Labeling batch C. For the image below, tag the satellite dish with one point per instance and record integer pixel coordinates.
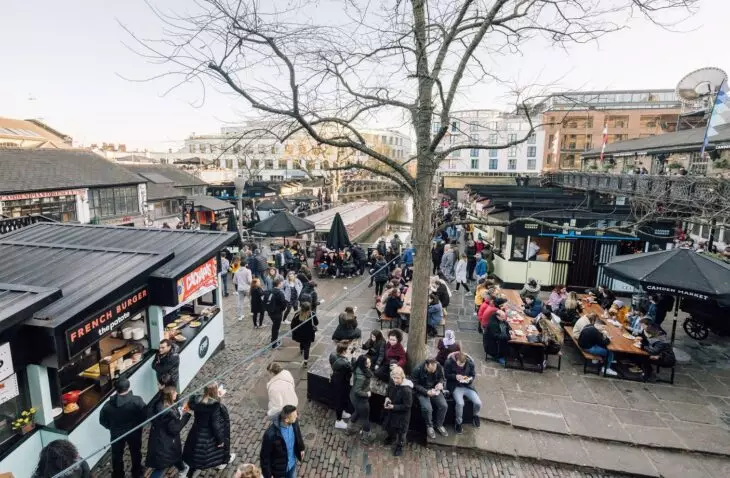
(700, 85)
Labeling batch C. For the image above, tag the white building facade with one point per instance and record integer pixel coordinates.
(491, 127)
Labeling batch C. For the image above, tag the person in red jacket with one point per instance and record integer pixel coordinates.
(488, 309)
(395, 354)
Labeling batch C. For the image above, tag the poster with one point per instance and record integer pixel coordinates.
(9, 389)
(203, 277)
(6, 361)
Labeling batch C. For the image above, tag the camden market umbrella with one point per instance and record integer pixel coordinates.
(680, 272)
(337, 238)
(283, 224)
(275, 205)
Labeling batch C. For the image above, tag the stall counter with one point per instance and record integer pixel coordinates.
(199, 350)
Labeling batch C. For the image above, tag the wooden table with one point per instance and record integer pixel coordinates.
(520, 343)
(406, 309)
(619, 343)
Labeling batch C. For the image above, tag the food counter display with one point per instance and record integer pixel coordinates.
(106, 346)
(182, 325)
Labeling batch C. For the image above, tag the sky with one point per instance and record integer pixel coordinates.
(70, 67)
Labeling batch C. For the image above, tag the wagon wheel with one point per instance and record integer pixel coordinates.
(695, 329)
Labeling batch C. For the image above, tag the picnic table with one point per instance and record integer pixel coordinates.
(406, 309)
(521, 327)
(622, 342)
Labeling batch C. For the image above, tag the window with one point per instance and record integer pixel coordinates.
(512, 152)
(531, 151)
(452, 164)
(532, 139)
(111, 202)
(390, 140)
(269, 164)
(519, 245)
(571, 146)
(493, 163)
(512, 164)
(512, 137)
(493, 153)
(229, 163)
(500, 242)
(456, 153)
(281, 164)
(493, 139)
(474, 153)
(474, 163)
(166, 208)
(549, 159)
(191, 148)
(474, 127)
(384, 139)
(262, 149)
(532, 163)
(436, 127)
(454, 126)
(474, 138)
(59, 208)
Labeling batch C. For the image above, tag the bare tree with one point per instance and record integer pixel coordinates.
(326, 68)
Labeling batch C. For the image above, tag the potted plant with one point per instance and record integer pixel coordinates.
(24, 424)
(721, 164)
(674, 166)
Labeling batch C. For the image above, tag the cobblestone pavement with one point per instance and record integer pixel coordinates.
(330, 453)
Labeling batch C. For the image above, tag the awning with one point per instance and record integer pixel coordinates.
(209, 203)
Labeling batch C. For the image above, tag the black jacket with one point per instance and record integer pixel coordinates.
(376, 352)
(496, 337)
(437, 253)
(380, 271)
(392, 305)
(346, 332)
(591, 336)
(278, 304)
(442, 292)
(274, 457)
(122, 413)
(401, 396)
(211, 427)
(257, 300)
(168, 364)
(303, 330)
(341, 370)
(360, 384)
(309, 294)
(423, 381)
(164, 448)
(451, 369)
(358, 254)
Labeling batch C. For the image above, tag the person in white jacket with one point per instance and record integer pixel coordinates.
(281, 389)
(460, 273)
(242, 282)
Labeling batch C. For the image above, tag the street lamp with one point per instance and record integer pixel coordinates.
(240, 183)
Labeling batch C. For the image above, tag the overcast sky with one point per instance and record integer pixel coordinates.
(66, 65)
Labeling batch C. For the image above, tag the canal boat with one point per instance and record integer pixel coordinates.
(360, 218)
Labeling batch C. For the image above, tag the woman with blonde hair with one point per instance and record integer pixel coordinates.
(570, 310)
(248, 471)
(397, 407)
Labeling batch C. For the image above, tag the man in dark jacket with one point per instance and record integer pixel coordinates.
(533, 306)
(121, 413)
(594, 341)
(429, 381)
(460, 375)
(282, 445)
(167, 362)
(276, 303)
(360, 257)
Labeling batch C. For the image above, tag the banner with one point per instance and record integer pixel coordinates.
(205, 276)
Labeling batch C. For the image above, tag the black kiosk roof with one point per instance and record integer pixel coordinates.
(19, 302)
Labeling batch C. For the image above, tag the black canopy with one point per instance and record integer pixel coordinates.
(337, 238)
(283, 224)
(680, 272)
(275, 205)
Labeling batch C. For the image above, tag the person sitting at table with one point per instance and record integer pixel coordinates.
(656, 343)
(533, 306)
(605, 297)
(447, 346)
(488, 308)
(375, 349)
(347, 330)
(393, 303)
(397, 276)
(478, 297)
(552, 334)
(460, 375)
(570, 310)
(348, 265)
(557, 296)
(435, 315)
(582, 322)
(596, 342)
(429, 382)
(531, 288)
(395, 355)
(496, 337)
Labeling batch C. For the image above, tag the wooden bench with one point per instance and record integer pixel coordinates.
(588, 358)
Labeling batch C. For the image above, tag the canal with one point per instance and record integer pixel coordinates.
(400, 218)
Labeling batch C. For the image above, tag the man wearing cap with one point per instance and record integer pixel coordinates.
(120, 414)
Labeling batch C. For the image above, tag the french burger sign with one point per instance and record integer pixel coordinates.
(203, 277)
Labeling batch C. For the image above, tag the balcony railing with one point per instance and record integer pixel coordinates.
(14, 223)
(686, 190)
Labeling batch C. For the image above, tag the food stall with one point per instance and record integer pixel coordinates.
(102, 295)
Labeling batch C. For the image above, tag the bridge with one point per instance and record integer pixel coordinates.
(364, 188)
(680, 191)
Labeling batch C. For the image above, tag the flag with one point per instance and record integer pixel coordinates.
(720, 115)
(605, 140)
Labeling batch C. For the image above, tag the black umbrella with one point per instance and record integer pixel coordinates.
(275, 205)
(680, 272)
(337, 238)
(283, 224)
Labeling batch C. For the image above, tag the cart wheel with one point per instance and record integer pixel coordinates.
(695, 329)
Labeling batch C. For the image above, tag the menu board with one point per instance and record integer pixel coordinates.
(9, 389)
(6, 361)
(203, 277)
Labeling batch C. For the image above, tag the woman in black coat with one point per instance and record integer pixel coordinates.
(164, 448)
(209, 442)
(304, 329)
(257, 303)
(375, 349)
(397, 408)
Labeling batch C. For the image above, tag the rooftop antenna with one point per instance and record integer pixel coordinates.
(697, 91)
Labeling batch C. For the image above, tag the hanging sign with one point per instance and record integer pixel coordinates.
(205, 276)
(97, 326)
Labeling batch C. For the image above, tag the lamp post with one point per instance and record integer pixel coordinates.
(240, 183)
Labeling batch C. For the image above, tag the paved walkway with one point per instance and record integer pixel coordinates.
(331, 453)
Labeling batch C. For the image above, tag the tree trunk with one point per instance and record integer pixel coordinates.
(421, 238)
